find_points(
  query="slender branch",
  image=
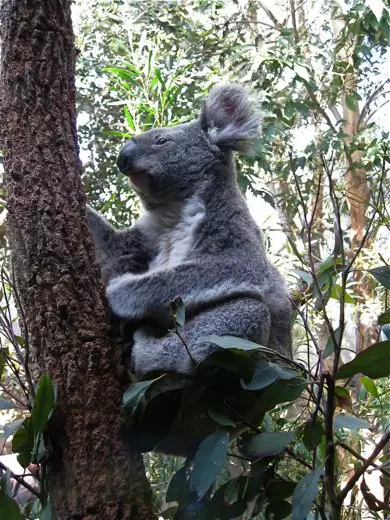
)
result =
(330, 450)
(20, 480)
(366, 107)
(362, 459)
(368, 462)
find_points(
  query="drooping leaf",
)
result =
(305, 493)
(23, 442)
(263, 376)
(373, 362)
(281, 391)
(384, 318)
(9, 428)
(267, 444)
(43, 404)
(179, 312)
(350, 422)
(134, 393)
(312, 434)
(208, 462)
(369, 385)
(233, 360)
(178, 487)
(330, 346)
(8, 508)
(47, 512)
(278, 510)
(351, 102)
(382, 274)
(220, 417)
(231, 342)
(278, 488)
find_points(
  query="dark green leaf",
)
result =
(382, 274)
(169, 513)
(179, 312)
(134, 393)
(373, 362)
(350, 422)
(329, 347)
(8, 508)
(230, 342)
(221, 418)
(129, 118)
(47, 512)
(282, 391)
(208, 462)
(23, 442)
(43, 404)
(305, 493)
(384, 318)
(235, 361)
(278, 488)
(351, 101)
(178, 487)
(312, 434)
(9, 428)
(278, 510)
(267, 444)
(369, 385)
(263, 376)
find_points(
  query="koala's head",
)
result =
(166, 164)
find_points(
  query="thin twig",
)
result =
(359, 472)
(362, 459)
(20, 480)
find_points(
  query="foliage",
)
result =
(320, 77)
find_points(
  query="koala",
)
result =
(196, 240)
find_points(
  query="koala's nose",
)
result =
(125, 160)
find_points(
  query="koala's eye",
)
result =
(162, 140)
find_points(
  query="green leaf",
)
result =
(267, 444)
(313, 434)
(382, 274)
(208, 462)
(329, 347)
(221, 418)
(129, 118)
(351, 102)
(278, 510)
(134, 393)
(9, 428)
(43, 404)
(179, 312)
(47, 512)
(305, 493)
(159, 77)
(278, 488)
(369, 385)
(4, 354)
(8, 508)
(23, 442)
(350, 422)
(282, 391)
(230, 342)
(373, 362)
(384, 318)
(178, 487)
(235, 361)
(265, 374)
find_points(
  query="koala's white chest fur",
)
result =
(174, 232)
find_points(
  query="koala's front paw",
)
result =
(122, 298)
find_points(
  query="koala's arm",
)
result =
(118, 252)
(138, 296)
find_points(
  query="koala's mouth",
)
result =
(139, 179)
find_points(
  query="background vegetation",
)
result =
(319, 174)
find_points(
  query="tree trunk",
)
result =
(91, 473)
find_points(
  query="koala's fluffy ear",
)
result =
(230, 117)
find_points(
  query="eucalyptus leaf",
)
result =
(382, 274)
(373, 362)
(208, 462)
(8, 508)
(369, 385)
(305, 493)
(43, 404)
(350, 422)
(267, 444)
(135, 392)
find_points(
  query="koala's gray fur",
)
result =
(196, 240)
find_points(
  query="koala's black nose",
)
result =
(125, 160)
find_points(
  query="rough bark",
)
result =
(91, 473)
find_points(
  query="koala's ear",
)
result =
(230, 117)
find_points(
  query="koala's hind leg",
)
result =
(242, 317)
